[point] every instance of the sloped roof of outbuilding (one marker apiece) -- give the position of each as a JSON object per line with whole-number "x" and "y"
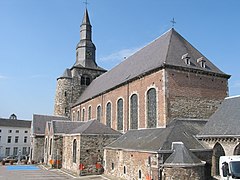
{"x": 182, "y": 157}
{"x": 94, "y": 127}
{"x": 225, "y": 121}
{"x": 165, "y": 51}
{"x": 62, "y": 127}
{"x": 39, "y": 122}
{"x": 158, "y": 139}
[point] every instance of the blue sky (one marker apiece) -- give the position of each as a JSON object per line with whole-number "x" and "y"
{"x": 38, "y": 40}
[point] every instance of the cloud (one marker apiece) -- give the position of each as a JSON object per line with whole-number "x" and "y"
{"x": 3, "y": 77}
{"x": 119, "y": 55}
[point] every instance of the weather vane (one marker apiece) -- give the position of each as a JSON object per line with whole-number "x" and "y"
{"x": 86, "y": 3}
{"x": 173, "y": 22}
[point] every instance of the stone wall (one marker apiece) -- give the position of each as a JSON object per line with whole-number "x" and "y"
{"x": 184, "y": 173}
{"x": 194, "y": 95}
{"x": 69, "y": 89}
{"x": 89, "y": 153}
{"x": 38, "y": 148}
{"x": 129, "y": 164}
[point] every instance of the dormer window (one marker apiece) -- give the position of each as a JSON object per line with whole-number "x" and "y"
{"x": 202, "y": 62}
{"x": 186, "y": 59}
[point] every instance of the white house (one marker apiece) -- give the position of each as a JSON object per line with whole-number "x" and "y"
{"x": 14, "y": 136}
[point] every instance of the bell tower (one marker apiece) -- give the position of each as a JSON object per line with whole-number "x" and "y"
{"x": 74, "y": 80}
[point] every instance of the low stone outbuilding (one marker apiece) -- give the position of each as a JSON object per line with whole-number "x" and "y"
{"x": 53, "y": 145}
{"x": 141, "y": 154}
{"x": 83, "y": 147}
{"x": 37, "y": 135}
{"x": 182, "y": 164}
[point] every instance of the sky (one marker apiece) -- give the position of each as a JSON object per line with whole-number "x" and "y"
{"x": 38, "y": 39}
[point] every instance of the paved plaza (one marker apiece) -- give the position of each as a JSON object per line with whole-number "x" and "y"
{"x": 32, "y": 172}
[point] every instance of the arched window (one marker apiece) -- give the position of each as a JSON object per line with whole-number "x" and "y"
{"x": 237, "y": 150}
{"x": 85, "y": 80}
{"x": 50, "y": 149}
{"x": 217, "y": 152}
{"x": 89, "y": 112}
{"x": 151, "y": 108}
{"x": 109, "y": 115}
{"x": 74, "y": 151}
{"x": 99, "y": 109}
{"x": 134, "y": 112}
{"x": 120, "y": 114}
{"x": 78, "y": 116}
{"x": 83, "y": 114}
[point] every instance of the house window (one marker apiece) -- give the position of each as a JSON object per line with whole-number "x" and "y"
{"x": 9, "y": 139}
{"x": 151, "y": 108}
{"x": 134, "y": 112}
{"x": 9, "y": 131}
{"x": 50, "y": 149}
{"x": 112, "y": 166}
{"x": 120, "y": 114}
{"x": 16, "y": 139}
{"x": 139, "y": 174}
{"x": 7, "y": 151}
{"x": 99, "y": 113}
{"x": 17, "y": 131}
{"x": 0, "y": 130}
{"x": 89, "y": 112}
{"x": 25, "y": 131}
{"x": 74, "y": 150}
{"x": 15, "y": 151}
{"x": 109, "y": 115}
{"x": 83, "y": 114}
{"x": 0, "y": 138}
{"x": 25, "y": 139}
{"x": 124, "y": 170}
{"x": 24, "y": 150}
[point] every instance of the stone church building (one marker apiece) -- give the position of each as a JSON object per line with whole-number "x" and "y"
{"x": 160, "y": 98}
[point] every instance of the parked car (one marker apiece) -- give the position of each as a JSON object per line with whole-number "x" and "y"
{"x": 10, "y": 158}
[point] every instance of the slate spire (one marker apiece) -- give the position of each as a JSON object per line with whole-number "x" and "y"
{"x": 85, "y": 50}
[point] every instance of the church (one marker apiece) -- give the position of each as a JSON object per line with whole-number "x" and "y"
{"x": 155, "y": 105}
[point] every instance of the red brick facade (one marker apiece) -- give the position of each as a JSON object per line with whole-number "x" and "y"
{"x": 180, "y": 94}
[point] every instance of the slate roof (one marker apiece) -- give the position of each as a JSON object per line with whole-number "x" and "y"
{"x": 225, "y": 121}
{"x": 65, "y": 126}
{"x": 15, "y": 123}
{"x": 39, "y": 122}
{"x": 160, "y": 139}
{"x": 181, "y": 156}
{"x": 166, "y": 51}
{"x": 94, "y": 127}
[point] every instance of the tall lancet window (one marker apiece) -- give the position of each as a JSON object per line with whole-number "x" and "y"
{"x": 109, "y": 115}
{"x": 99, "y": 111}
{"x": 151, "y": 108}
{"x": 74, "y": 151}
{"x": 134, "y": 112}
{"x": 120, "y": 114}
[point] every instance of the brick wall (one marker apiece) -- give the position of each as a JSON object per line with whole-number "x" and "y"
{"x": 139, "y": 87}
{"x": 194, "y": 95}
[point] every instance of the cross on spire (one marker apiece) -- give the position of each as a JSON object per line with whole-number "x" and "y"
{"x": 173, "y": 22}
{"x": 86, "y": 3}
